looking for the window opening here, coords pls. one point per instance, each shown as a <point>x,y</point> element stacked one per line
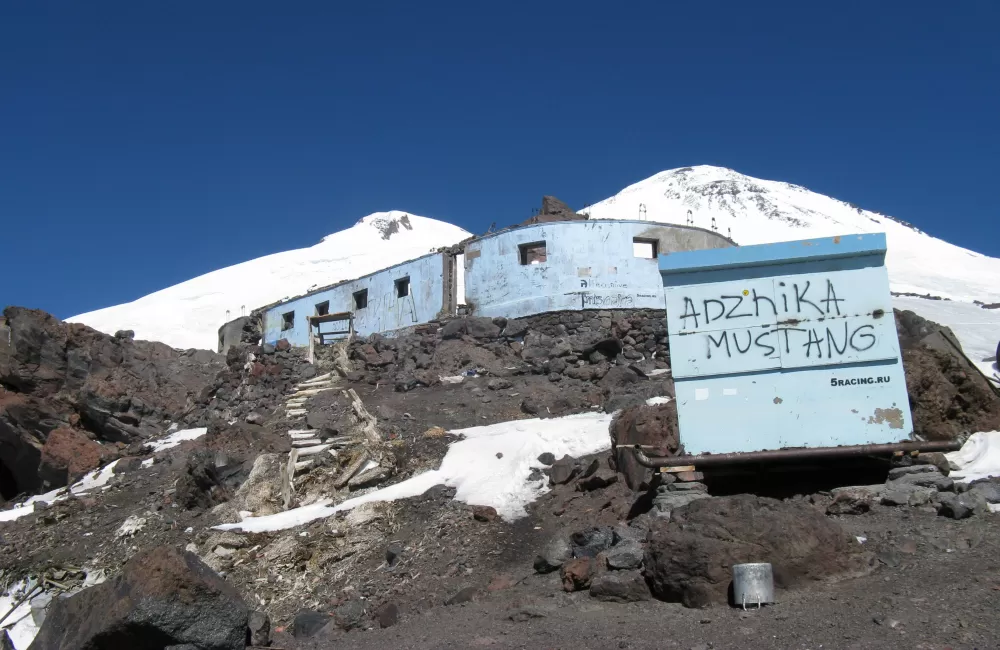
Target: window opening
<point>323,308</point>
<point>645,248</point>
<point>287,320</point>
<point>533,253</point>
<point>361,299</point>
<point>403,287</point>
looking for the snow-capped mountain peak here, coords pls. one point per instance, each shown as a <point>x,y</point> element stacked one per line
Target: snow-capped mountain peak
<point>755,211</point>
<point>189,314</point>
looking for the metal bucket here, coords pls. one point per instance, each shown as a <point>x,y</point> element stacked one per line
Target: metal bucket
<point>753,584</point>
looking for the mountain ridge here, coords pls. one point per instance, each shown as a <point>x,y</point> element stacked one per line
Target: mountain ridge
<point>749,209</point>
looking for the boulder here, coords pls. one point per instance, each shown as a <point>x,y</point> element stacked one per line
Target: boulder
<point>625,555</point>
<point>989,489</point>
<point>163,597</point>
<point>654,427</point>
<point>485,514</point>
<point>601,479</point>
<point>482,328</point>
<point>387,615</point>
<point>69,454</point>
<point>200,486</point>
<point>932,479</point>
<point>689,559</point>
<point>576,574</point>
<point>556,553</point>
<point>563,470</point>
<point>619,587</point>
<point>260,629</point>
<point>515,328</point>
<point>308,622</point>
<point>591,542</point>
<point>855,499</point>
<point>961,506</point>
<point>546,458</point>
<point>453,329</point>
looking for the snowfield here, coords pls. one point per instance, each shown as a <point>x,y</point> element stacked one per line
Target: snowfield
<point>189,314</point>
<point>750,210</point>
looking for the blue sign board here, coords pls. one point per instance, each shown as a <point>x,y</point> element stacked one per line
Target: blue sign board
<point>785,345</point>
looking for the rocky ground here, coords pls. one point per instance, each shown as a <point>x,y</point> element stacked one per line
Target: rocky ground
<point>611,556</point>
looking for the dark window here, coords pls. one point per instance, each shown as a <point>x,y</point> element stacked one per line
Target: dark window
<point>323,308</point>
<point>361,299</point>
<point>287,320</point>
<point>645,248</point>
<point>533,253</point>
<point>402,287</point>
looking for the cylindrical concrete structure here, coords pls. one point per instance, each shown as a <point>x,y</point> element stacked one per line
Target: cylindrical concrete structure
<point>753,584</point>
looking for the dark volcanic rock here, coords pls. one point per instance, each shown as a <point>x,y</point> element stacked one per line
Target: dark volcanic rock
<point>69,454</point>
<point>556,553</point>
<point>689,558</point>
<point>163,597</point>
<point>200,486</point>
<point>308,622</point>
<point>563,470</point>
<point>60,375</point>
<point>260,629</point>
<point>588,543</point>
<point>619,587</point>
<point>652,426</point>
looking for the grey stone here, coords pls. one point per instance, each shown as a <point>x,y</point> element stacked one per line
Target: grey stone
<point>933,479</point>
<point>498,383</point>
<point>482,328</point>
<point>255,418</point>
<point>163,597</point>
<point>590,542</point>
<point>961,506</point>
<point>308,622</point>
<point>465,595</point>
<point>260,629</point>
<point>563,470</point>
<point>623,533</point>
<point>515,328</point>
<point>388,615</point>
<point>530,406</point>
<point>619,587</point>
<point>896,472</point>
<point>349,615</point>
<point>855,499</point>
<point>556,553</point>
<point>666,502</point>
<point>681,486</point>
<point>598,481</point>
<point>988,489</point>
<point>453,329</point>
<point>557,366</point>
<point>547,458</point>
<point>626,555</point>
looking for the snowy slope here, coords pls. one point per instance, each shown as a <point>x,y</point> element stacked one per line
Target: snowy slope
<point>189,314</point>
<point>757,212</point>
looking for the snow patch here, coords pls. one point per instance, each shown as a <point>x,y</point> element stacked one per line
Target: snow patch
<point>177,438</point>
<point>472,467</point>
<point>96,479</point>
<point>978,458</point>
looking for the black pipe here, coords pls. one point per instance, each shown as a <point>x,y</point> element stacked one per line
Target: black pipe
<point>736,458</point>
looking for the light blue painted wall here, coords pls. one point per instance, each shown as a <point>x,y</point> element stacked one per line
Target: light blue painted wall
<point>385,311</point>
<point>589,265</point>
<point>791,345</point>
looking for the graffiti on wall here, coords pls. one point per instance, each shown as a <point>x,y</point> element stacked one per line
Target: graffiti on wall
<point>808,319</point>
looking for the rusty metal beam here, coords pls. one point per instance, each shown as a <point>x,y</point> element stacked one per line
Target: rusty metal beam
<point>806,453</point>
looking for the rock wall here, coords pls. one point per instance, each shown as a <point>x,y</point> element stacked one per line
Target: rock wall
<point>100,392</point>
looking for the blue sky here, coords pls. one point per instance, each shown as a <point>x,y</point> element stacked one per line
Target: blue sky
<point>144,143</point>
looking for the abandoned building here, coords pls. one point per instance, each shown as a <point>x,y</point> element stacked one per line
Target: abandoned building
<point>538,267</point>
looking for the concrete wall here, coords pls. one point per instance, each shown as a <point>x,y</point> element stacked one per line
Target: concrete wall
<point>385,311</point>
<point>589,265</point>
<point>231,333</point>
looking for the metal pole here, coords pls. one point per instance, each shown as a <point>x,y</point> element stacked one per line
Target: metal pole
<point>737,458</point>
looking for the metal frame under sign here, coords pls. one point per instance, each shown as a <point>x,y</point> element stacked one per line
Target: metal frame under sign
<point>785,346</point>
